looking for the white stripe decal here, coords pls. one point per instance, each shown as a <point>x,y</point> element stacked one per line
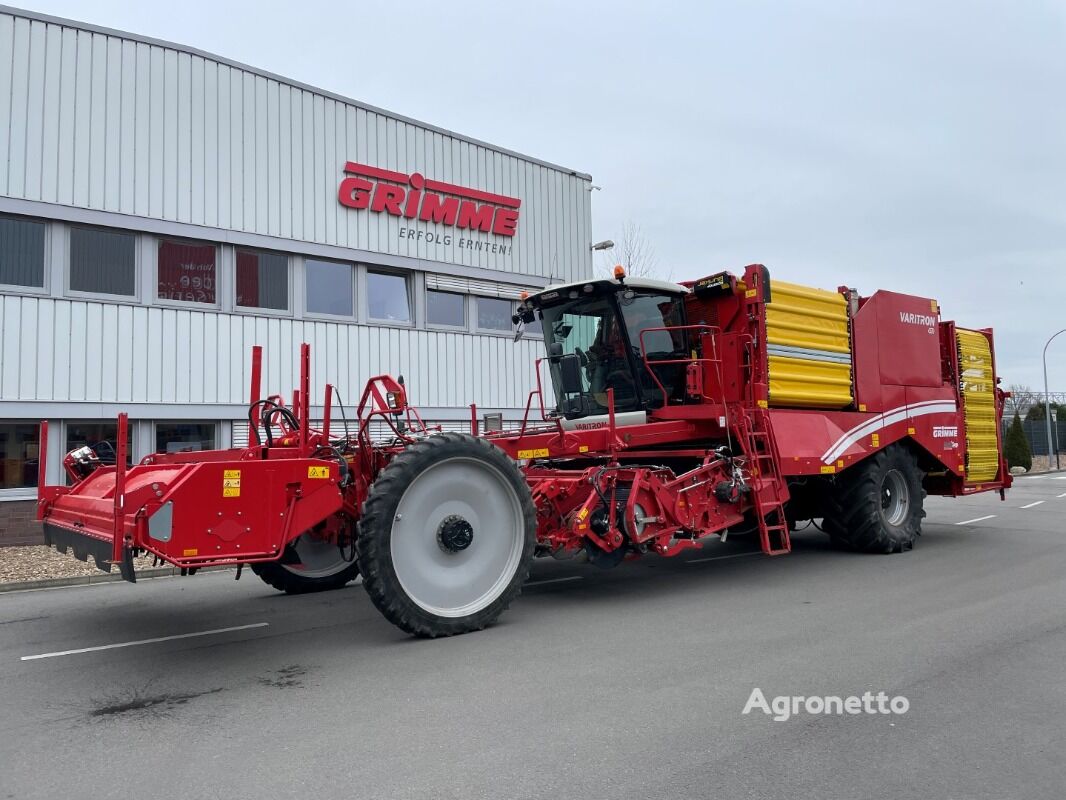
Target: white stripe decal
<point>874,423</point>
<point>882,421</point>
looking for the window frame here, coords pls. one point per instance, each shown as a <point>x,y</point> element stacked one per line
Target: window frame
<point>46,267</point>
<point>408,282</point>
<point>219,270</point>
<point>135,298</point>
<point>440,326</point>
<point>476,320</point>
<point>325,315</point>
<point>15,493</point>
<point>214,423</point>
<point>290,261</point>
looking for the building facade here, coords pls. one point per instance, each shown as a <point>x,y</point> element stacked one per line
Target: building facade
<point>162,210</point>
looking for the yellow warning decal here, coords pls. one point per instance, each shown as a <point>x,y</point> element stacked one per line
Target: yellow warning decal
<point>318,472</point>
<point>762,404</point>
<point>540,452</point>
<point>829,470</point>
<point>231,483</point>
<point>862,406</point>
<point>190,551</point>
<point>582,514</point>
<point>751,293</point>
<point>875,440</point>
<point>583,448</point>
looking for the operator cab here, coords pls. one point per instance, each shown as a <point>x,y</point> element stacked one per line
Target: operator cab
<point>593,331</point>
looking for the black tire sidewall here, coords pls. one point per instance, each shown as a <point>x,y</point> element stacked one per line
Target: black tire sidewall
<point>855,520</point>
<point>274,574</point>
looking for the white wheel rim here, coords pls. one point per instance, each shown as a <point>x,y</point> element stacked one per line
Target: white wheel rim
<point>318,558</point>
<point>449,575</point>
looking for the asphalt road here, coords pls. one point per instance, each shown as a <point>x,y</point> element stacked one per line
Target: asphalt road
<point>621,684</point>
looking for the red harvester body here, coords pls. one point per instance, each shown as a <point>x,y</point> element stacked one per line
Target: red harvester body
<point>678,412</point>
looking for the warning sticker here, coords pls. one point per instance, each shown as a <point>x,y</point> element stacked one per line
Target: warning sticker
<point>318,472</point>
<point>231,483</point>
<point>541,452</point>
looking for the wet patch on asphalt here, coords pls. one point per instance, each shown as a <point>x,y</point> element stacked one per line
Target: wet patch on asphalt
<point>288,677</point>
<point>155,704</point>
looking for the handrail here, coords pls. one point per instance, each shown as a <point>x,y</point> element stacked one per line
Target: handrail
<point>711,331</point>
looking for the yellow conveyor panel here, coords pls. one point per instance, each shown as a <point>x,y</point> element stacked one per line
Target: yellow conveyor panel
<point>977,386</point>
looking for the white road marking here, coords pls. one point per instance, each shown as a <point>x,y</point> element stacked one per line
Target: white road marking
<point>144,641</point>
<point>979,519</point>
<point>554,580</point>
<point>1062,495</point>
<point>720,558</point>
<point>1038,502</point>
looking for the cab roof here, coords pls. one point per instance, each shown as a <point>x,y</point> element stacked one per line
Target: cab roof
<point>608,283</point>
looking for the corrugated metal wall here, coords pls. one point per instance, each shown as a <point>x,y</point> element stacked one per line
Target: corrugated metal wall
<point>66,350</point>
<point>108,123</point>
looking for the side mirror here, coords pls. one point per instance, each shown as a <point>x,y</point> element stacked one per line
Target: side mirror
<point>570,374</point>
<point>555,351</point>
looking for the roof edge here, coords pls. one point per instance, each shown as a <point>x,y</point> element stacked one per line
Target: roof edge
<point>136,37</point>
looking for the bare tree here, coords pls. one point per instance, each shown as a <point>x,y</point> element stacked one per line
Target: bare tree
<point>634,252</point>
<point>1021,400</point>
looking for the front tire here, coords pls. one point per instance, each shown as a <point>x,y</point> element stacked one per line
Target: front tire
<point>446,536</point>
<point>309,565</point>
<point>877,504</point>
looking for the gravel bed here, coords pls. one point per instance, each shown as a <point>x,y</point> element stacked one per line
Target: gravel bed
<point>37,562</point>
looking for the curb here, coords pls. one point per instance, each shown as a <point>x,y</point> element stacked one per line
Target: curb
<point>103,577</point>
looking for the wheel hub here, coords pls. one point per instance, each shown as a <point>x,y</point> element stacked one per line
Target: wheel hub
<point>895,497</point>
<point>454,534</point>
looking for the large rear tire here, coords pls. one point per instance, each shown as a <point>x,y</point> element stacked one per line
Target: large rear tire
<point>877,505</point>
<point>446,536</point>
<point>309,565</point>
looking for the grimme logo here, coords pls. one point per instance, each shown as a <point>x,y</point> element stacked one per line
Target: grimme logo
<point>784,707</point>
<point>945,431</point>
<point>419,198</point>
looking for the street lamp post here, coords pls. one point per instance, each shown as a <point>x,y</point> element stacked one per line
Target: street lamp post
<point>1047,406</point>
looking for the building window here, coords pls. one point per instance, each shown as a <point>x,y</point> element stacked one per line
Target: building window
<point>184,437</point>
<point>329,287</point>
<point>21,252</point>
<point>19,452</point>
<point>101,437</point>
<point>445,308</point>
<point>103,262</point>
<point>262,280</point>
<point>494,314</point>
<point>186,271</point>
<point>387,297</point>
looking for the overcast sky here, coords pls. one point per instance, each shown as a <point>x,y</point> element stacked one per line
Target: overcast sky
<point>914,146</point>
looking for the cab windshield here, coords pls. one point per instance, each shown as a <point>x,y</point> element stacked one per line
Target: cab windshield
<point>603,331</point>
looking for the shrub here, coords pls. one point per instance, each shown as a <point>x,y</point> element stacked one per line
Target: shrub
<point>1016,447</point>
